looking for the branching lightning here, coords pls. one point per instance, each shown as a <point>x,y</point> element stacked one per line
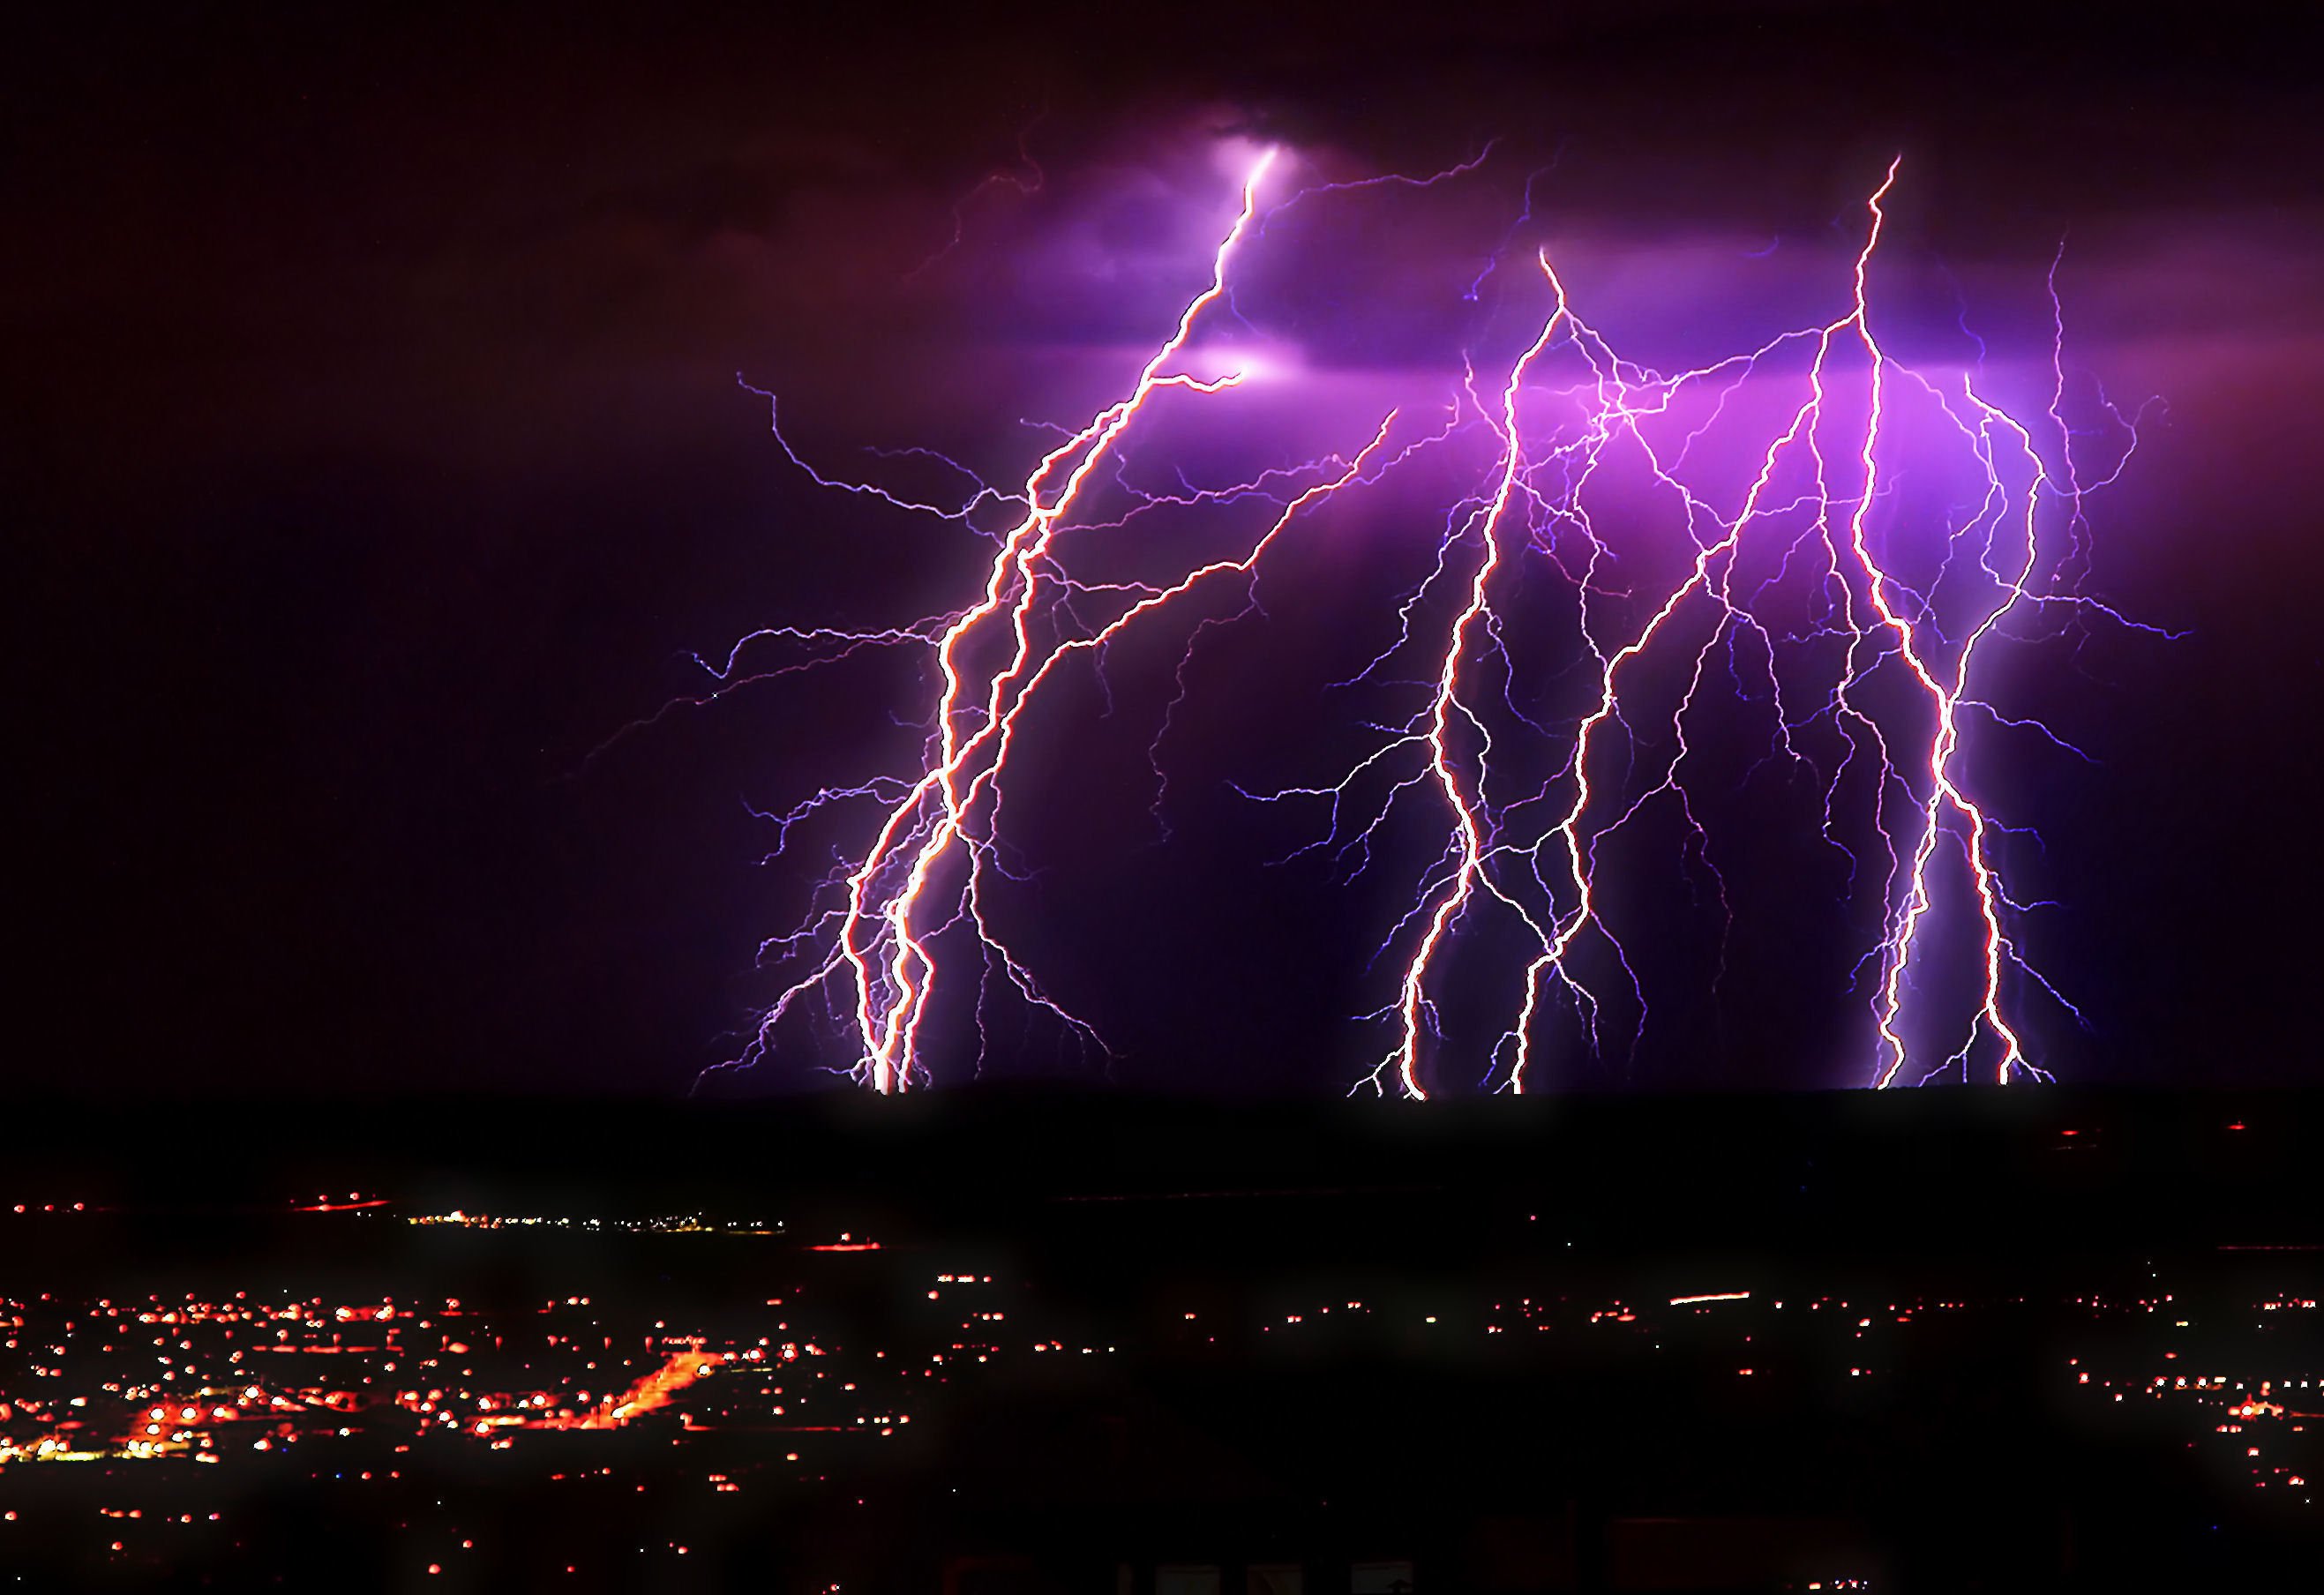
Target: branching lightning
<point>1887,531</point>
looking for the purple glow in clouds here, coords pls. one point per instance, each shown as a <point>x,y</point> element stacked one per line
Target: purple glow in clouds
<point>1764,602</point>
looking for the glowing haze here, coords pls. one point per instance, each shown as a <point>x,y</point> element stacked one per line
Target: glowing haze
<point>1798,565</point>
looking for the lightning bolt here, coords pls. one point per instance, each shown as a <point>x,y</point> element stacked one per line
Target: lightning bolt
<point>1807,584</point>
<point>928,867</point>
<point>1882,624</point>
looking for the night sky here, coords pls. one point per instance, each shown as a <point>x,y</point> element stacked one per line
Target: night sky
<point>374,453</point>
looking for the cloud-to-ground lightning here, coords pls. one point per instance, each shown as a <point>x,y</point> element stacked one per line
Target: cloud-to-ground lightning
<point>892,905</point>
<point>1861,538</point>
<point>1877,623</point>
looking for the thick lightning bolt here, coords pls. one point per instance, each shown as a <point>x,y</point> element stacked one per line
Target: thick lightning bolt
<point>883,935</point>
<point>1808,580</point>
<point>927,867</point>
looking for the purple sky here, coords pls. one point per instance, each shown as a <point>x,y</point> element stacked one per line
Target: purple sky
<point>378,444</point>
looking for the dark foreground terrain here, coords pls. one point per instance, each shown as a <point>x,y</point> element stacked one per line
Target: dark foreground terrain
<point>986,1344</point>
